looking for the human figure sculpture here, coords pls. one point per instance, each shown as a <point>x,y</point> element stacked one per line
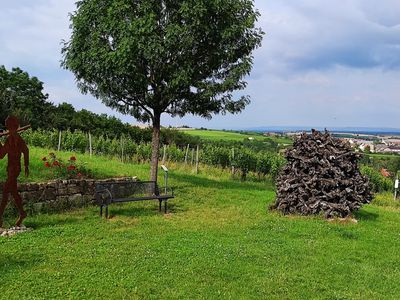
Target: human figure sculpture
<point>14,147</point>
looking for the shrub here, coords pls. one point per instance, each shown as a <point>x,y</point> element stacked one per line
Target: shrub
<point>378,182</point>
<point>65,170</point>
<point>216,156</point>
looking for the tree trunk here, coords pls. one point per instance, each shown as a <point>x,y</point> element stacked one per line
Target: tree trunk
<point>155,147</point>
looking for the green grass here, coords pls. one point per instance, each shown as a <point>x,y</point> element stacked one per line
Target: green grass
<point>218,241</point>
<point>383,155</point>
<point>219,135</point>
<point>101,167</point>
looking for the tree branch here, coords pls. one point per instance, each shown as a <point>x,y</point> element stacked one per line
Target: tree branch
<point>141,105</point>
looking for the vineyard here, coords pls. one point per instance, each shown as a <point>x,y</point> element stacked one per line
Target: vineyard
<point>239,158</point>
<point>261,159</point>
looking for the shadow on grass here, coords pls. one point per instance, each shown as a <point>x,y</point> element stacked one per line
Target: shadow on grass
<point>130,210</point>
<point>12,264</point>
<point>220,184</point>
<point>59,219</point>
<point>366,215</point>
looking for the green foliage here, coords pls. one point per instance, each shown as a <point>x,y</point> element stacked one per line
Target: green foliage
<point>71,141</point>
<point>386,199</point>
<point>175,154</point>
<point>244,159</point>
<point>379,183</point>
<point>264,164</point>
<point>75,141</point>
<point>70,169</point>
<point>391,162</point>
<point>148,57</point>
<point>172,136</point>
<point>222,135</point>
<point>278,162</point>
<point>143,152</point>
<point>216,156</point>
<point>41,138</point>
<point>23,96</point>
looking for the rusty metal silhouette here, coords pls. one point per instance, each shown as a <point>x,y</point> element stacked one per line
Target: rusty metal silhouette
<point>13,147</point>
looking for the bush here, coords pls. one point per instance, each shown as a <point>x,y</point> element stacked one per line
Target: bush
<point>216,156</point>
<point>386,200</point>
<point>174,153</point>
<point>65,170</point>
<point>378,182</point>
<point>245,160</point>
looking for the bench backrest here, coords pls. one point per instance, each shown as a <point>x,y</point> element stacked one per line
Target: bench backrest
<point>125,189</point>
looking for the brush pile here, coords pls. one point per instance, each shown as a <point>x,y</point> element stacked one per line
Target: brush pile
<point>321,177</point>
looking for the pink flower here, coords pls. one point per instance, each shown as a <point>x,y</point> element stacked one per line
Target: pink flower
<point>56,163</point>
<point>72,158</point>
<point>47,164</point>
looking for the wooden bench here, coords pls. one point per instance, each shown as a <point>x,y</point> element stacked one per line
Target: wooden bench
<point>130,191</point>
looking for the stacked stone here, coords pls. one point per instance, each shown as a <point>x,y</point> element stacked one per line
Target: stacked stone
<point>60,195</point>
<point>13,231</point>
<point>321,176</point>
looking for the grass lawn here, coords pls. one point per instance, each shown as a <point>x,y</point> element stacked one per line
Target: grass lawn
<point>218,135</point>
<point>218,241</point>
<point>384,155</point>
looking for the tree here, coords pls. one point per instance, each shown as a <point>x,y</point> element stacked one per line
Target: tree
<point>23,96</point>
<point>63,116</point>
<point>149,57</point>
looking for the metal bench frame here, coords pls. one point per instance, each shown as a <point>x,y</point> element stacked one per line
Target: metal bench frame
<point>105,193</point>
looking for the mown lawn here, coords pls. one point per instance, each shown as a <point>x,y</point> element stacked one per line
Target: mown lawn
<point>218,241</point>
<point>218,135</point>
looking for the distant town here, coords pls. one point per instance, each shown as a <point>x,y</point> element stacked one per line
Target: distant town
<point>370,143</point>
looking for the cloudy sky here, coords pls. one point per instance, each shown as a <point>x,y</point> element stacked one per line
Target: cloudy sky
<point>322,63</point>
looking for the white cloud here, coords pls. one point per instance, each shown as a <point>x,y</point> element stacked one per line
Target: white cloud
<point>322,63</point>
<point>31,32</point>
<point>310,35</point>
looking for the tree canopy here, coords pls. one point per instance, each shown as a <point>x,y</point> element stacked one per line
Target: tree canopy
<point>148,57</point>
<point>23,96</point>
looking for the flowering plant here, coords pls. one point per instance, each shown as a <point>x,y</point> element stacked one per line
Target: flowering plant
<point>61,169</point>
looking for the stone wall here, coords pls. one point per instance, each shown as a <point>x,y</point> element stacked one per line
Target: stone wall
<point>59,195</point>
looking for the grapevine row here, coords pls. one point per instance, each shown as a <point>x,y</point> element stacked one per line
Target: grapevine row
<point>240,159</point>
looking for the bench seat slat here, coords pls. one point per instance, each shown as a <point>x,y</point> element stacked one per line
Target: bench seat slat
<point>142,198</point>
<point>107,193</point>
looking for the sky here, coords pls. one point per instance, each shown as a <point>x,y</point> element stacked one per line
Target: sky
<point>322,63</point>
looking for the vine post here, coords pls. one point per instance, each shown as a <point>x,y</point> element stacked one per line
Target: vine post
<point>164,154</point>
<point>197,160</point>
<point>90,144</point>
<point>192,157</point>
<point>59,141</point>
<point>233,159</point>
<point>186,153</point>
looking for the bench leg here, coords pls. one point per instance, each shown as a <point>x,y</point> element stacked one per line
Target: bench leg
<point>106,211</point>
<point>165,206</point>
<point>159,204</point>
<point>101,211</point>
